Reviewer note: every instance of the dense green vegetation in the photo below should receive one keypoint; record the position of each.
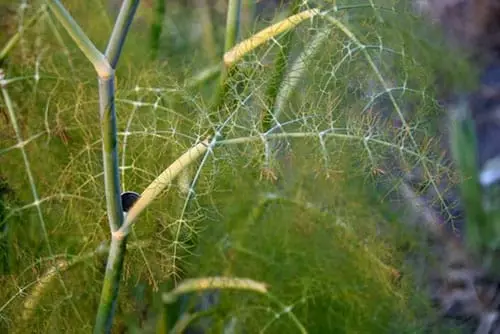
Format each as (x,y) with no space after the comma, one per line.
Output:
(307,212)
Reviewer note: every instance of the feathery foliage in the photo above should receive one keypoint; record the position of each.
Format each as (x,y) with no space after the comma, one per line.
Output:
(307,123)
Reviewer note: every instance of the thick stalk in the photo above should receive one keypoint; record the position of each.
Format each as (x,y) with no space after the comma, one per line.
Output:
(109,294)
(110,152)
(105,65)
(232,23)
(107,304)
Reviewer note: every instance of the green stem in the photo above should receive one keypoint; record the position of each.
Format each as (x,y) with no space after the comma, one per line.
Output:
(157,27)
(120,30)
(105,65)
(116,256)
(88,48)
(107,304)
(463,142)
(110,152)
(109,294)
(232,23)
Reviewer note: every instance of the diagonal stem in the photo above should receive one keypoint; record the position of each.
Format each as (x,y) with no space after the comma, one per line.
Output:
(120,30)
(88,48)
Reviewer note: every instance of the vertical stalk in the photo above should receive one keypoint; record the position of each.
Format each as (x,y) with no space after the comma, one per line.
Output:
(110,152)
(105,65)
(232,23)
(107,304)
(232,26)
(464,149)
(112,276)
(157,27)
(109,294)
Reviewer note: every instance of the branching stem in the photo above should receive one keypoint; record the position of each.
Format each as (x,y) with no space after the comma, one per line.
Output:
(101,64)
(105,65)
